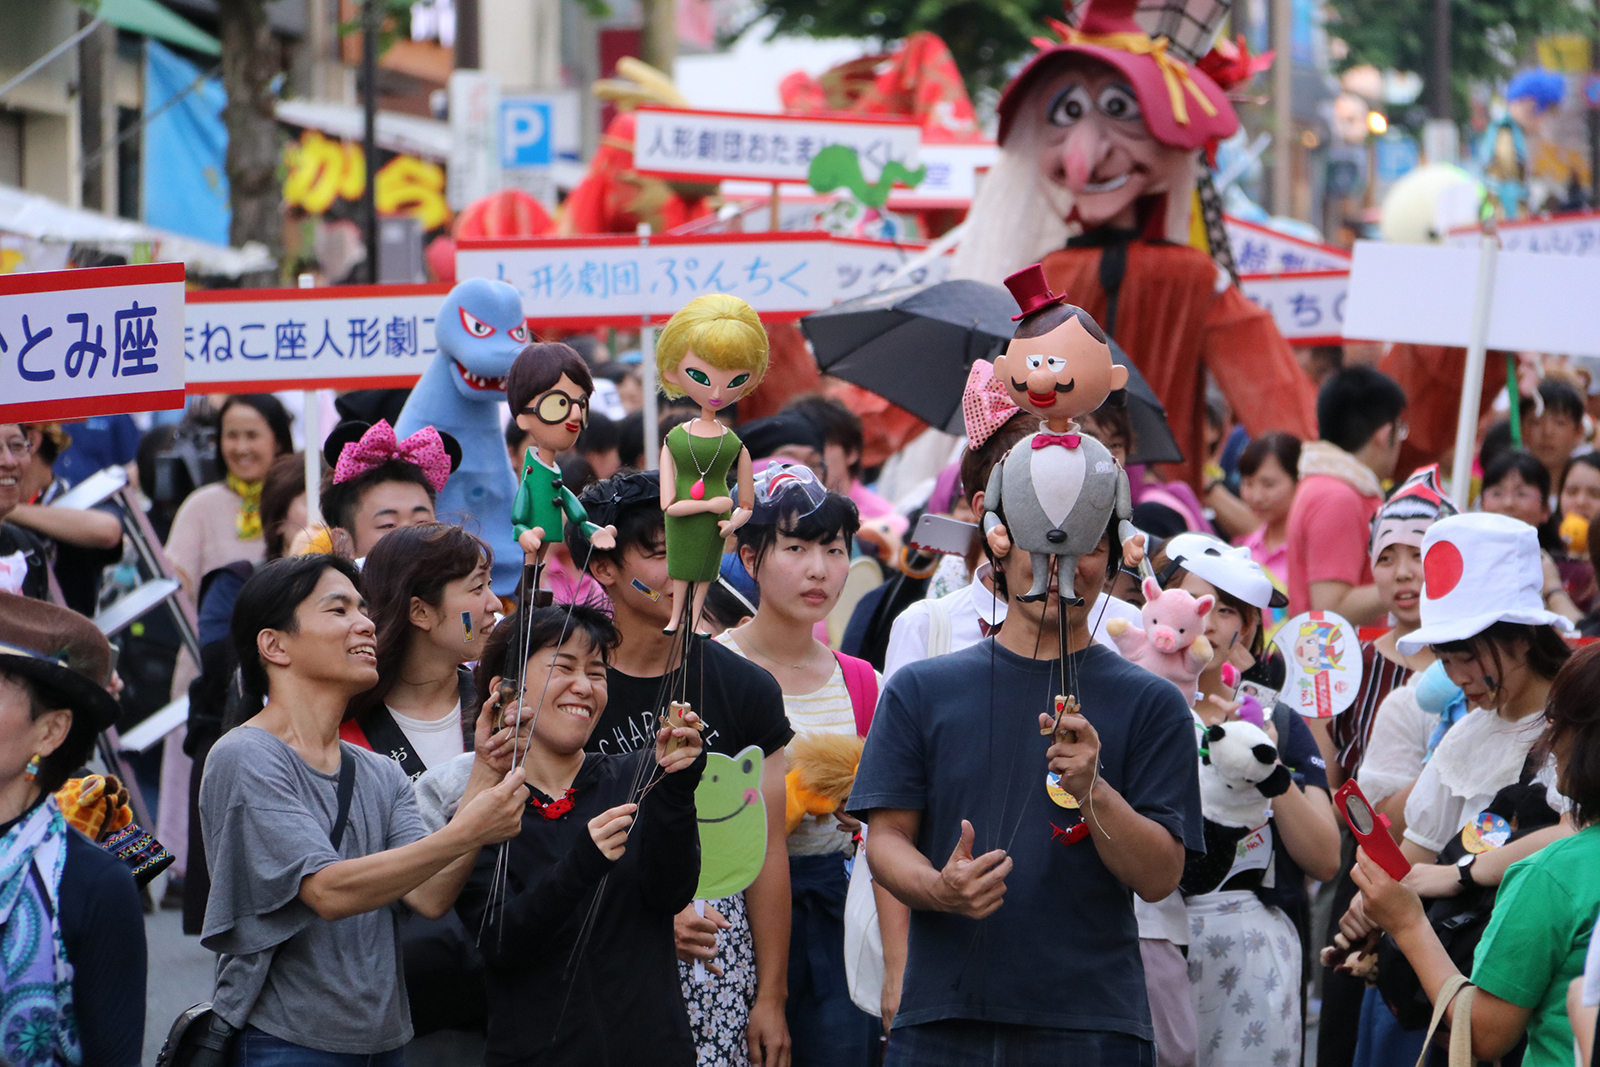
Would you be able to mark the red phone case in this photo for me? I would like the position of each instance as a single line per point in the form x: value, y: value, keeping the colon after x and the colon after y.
x: 1379, y: 845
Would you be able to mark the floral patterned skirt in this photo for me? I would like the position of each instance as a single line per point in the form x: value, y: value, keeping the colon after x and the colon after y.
x: 719, y: 1007
x: 1244, y: 967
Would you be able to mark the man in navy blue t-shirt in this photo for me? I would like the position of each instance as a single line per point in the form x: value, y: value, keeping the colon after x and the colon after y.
x: 1023, y: 943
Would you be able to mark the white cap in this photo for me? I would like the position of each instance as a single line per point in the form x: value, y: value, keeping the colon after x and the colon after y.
x: 1230, y: 569
x: 1478, y: 570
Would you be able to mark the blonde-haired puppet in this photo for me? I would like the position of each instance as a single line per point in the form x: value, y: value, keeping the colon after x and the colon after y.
x: 713, y: 351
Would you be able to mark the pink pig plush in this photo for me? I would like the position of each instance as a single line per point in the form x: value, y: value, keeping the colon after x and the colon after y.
x: 1173, y: 642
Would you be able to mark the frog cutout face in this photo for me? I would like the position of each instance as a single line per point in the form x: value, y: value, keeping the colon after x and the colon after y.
x: 733, y: 823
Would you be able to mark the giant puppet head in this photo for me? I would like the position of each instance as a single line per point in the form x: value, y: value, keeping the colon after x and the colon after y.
x: 1101, y: 128
x: 481, y: 328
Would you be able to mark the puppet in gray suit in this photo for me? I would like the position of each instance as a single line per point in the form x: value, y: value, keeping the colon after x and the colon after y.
x: 1057, y: 488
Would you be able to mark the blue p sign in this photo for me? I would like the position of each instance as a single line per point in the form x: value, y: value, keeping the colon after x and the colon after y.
x: 525, y: 133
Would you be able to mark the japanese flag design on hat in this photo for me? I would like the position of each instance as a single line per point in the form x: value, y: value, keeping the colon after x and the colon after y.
x: 1478, y: 570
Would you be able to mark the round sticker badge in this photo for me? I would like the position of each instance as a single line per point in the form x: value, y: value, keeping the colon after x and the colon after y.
x: 1323, y: 658
x: 1488, y: 831
x: 1062, y: 798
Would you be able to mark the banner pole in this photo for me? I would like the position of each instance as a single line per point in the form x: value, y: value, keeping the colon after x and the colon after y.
x: 1472, y: 379
x: 313, y: 438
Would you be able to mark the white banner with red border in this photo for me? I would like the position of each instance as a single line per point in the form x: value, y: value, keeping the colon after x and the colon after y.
x: 342, y: 337
x: 1259, y: 250
x: 94, y: 341
x: 584, y: 282
x: 1308, y: 306
x: 709, y: 146
x: 1564, y: 235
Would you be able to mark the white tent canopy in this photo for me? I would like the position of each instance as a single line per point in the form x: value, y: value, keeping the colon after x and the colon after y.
x: 41, y: 219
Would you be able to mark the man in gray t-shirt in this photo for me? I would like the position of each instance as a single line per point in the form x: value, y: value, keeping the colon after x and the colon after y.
x: 308, y: 951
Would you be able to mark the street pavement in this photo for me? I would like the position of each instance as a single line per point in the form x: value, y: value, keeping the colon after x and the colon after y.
x: 181, y: 974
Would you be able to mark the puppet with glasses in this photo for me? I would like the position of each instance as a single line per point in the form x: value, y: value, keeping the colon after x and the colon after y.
x: 548, y: 390
x: 714, y: 351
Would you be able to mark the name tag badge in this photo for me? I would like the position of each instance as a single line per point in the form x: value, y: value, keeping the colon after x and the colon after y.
x: 1060, y: 797
x: 1485, y: 833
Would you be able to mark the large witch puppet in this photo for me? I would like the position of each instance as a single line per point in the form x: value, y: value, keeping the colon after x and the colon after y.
x: 713, y: 351
x: 1100, y: 139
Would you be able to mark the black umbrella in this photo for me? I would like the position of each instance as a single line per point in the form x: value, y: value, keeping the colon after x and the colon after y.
x: 915, y: 346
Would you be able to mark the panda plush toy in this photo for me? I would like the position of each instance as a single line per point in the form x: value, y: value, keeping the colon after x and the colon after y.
x: 1239, y: 774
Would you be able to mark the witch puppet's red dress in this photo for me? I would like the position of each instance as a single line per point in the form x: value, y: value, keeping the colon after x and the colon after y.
x: 1175, y: 325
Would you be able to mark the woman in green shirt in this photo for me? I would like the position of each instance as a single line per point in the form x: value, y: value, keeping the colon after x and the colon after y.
x: 1545, y: 911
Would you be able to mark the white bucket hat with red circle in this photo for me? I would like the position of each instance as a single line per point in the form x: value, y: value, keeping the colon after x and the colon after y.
x: 1478, y: 570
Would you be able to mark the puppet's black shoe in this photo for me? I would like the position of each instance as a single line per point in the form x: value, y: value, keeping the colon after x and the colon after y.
x: 1032, y: 598
x: 543, y: 598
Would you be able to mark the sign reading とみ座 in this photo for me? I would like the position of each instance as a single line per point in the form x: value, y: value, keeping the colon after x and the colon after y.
x: 93, y: 341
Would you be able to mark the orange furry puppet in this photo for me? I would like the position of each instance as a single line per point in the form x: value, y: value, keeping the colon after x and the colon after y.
x: 822, y: 768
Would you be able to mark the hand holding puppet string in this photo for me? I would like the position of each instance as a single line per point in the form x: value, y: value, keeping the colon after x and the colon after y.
x: 548, y: 390
x: 713, y: 351
x: 1058, y: 484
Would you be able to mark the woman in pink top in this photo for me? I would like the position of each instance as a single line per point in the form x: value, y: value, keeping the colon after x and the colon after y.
x: 1268, y: 474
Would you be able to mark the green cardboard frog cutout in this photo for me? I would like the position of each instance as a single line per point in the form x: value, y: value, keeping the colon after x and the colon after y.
x: 733, y: 823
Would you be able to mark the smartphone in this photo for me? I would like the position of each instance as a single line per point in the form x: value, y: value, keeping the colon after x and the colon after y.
x: 944, y: 535
x: 1371, y: 829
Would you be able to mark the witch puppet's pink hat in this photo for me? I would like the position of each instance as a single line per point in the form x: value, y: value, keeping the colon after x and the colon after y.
x: 1180, y: 104
x: 1477, y: 570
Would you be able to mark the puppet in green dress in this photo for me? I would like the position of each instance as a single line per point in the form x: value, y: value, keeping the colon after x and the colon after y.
x: 548, y: 390
x: 713, y: 351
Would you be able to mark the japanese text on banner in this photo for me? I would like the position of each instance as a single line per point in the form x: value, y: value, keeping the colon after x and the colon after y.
x: 1308, y: 308
x: 108, y: 344
x: 311, y: 340
x: 759, y: 146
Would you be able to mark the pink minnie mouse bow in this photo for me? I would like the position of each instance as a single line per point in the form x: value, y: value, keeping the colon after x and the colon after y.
x: 985, y: 403
x: 424, y: 449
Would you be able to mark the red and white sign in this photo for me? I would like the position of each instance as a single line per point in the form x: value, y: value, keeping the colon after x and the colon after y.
x: 582, y: 282
x: 1565, y: 235
x: 341, y: 337
x: 96, y: 341
x: 1259, y: 250
x: 1308, y: 307
x: 710, y: 146
x: 952, y: 179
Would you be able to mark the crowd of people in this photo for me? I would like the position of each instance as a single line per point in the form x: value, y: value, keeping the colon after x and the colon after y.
x: 408, y: 805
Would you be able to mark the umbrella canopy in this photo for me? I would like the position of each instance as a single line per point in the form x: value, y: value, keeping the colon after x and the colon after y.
x: 914, y: 347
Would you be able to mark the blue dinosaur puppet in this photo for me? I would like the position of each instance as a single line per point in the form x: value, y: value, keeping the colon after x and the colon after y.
x: 480, y: 329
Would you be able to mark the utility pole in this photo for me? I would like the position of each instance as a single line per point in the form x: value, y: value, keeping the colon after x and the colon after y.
x: 658, y: 36
x: 371, y: 21
x: 1283, y: 138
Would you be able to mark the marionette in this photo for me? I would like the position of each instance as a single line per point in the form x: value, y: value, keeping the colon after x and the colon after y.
x: 479, y: 330
x: 1057, y: 488
x: 548, y: 389
x: 1100, y: 139
x: 713, y: 351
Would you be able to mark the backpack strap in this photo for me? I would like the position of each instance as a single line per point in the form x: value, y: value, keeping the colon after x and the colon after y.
x: 347, y: 789
x: 938, y: 626
x: 861, y: 682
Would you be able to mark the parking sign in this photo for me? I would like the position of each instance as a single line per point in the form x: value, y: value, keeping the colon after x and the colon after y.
x: 526, y: 129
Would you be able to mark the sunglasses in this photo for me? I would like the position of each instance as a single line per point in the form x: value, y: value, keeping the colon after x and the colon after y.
x: 555, y: 407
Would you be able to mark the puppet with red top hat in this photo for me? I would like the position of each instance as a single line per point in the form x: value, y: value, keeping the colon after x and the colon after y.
x: 1054, y: 493
x: 1100, y: 142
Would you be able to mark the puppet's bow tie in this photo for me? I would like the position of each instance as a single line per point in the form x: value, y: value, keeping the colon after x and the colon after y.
x: 1065, y: 440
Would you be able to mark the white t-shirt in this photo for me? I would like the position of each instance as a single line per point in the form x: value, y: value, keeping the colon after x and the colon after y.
x: 1481, y: 755
x: 828, y: 710
x: 1399, y: 741
x: 436, y: 741
x: 1591, y: 972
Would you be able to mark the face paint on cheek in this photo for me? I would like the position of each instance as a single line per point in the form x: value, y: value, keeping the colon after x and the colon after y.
x: 466, y: 625
x: 646, y: 590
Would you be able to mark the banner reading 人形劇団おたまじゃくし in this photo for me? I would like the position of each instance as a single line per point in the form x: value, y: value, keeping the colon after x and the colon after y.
x: 96, y: 341
x: 756, y: 146
x: 342, y: 337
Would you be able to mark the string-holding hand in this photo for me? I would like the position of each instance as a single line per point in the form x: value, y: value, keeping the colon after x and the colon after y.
x: 609, y: 830
x: 496, y: 745
x: 1075, y: 755
x: 678, y: 742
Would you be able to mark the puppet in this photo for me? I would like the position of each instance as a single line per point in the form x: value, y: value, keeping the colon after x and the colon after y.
x: 1239, y: 773
x: 548, y: 390
x: 479, y: 329
x: 1173, y: 642
x: 713, y: 351
x: 733, y: 823
x: 1057, y: 488
x: 1100, y: 137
